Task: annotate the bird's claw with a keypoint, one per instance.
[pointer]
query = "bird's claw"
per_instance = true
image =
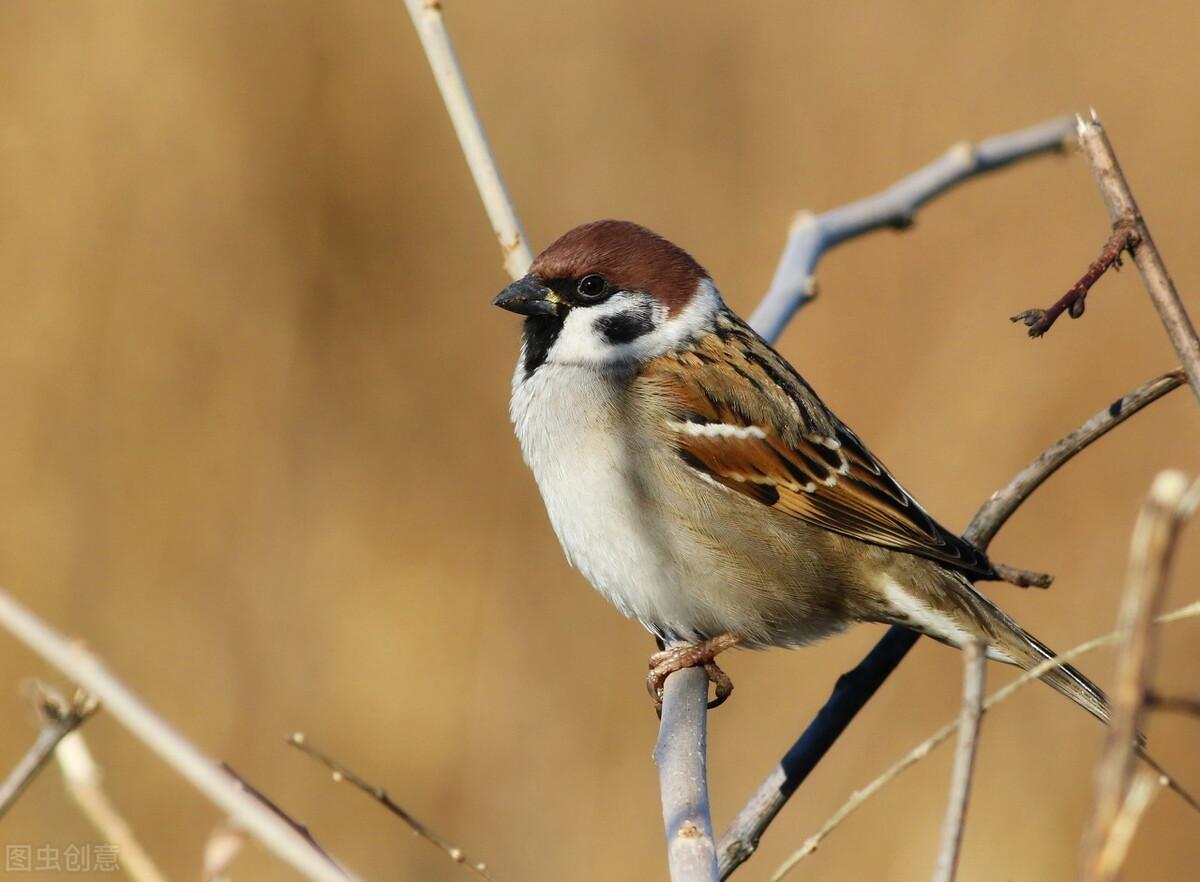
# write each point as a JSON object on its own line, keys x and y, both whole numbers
{"x": 696, "y": 655}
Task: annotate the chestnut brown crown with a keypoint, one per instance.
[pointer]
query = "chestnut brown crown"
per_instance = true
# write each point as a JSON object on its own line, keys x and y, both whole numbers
{"x": 628, "y": 256}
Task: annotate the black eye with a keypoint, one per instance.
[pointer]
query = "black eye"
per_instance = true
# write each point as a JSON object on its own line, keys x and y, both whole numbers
{"x": 592, "y": 287}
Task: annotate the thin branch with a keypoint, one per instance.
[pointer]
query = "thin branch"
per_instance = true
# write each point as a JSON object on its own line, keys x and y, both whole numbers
{"x": 994, "y": 513}
{"x": 856, "y": 687}
{"x": 811, "y": 235}
{"x": 974, "y": 671}
{"x": 1022, "y": 578}
{"x": 89, "y": 672}
{"x": 1180, "y": 704}
{"x": 1192, "y": 610}
{"x": 298, "y": 826}
{"x": 1039, "y": 321}
{"x": 683, "y": 777}
{"x": 431, "y": 28}
{"x": 1123, "y": 209}
{"x": 1154, "y": 538}
{"x": 1141, "y": 793}
{"x": 341, "y": 773}
{"x": 81, "y": 776}
{"x": 59, "y": 720}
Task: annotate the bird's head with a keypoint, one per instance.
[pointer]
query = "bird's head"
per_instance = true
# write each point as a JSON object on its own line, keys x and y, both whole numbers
{"x": 609, "y": 293}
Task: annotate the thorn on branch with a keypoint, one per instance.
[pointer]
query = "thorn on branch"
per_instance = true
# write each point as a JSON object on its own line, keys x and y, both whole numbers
{"x": 1124, "y": 237}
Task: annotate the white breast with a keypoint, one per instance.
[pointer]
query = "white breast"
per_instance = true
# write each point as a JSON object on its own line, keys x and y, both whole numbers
{"x": 591, "y": 473}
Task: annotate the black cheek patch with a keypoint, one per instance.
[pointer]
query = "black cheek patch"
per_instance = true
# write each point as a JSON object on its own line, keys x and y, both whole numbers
{"x": 540, "y": 333}
{"x": 625, "y": 327}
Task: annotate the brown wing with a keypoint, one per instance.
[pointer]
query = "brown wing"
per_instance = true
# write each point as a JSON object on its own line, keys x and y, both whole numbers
{"x": 742, "y": 416}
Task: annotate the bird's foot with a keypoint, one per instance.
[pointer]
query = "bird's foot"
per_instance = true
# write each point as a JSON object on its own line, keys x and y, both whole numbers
{"x": 692, "y": 655}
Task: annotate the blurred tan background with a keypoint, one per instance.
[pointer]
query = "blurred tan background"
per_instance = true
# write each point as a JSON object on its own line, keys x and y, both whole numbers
{"x": 255, "y": 447}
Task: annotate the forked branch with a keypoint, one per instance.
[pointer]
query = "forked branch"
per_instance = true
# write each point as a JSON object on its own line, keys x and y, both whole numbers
{"x": 856, "y": 687}
{"x": 1124, "y": 238}
{"x": 811, "y": 235}
{"x": 922, "y": 750}
{"x": 59, "y": 719}
{"x": 89, "y": 672}
{"x": 1170, "y": 503}
{"x": 1121, "y": 206}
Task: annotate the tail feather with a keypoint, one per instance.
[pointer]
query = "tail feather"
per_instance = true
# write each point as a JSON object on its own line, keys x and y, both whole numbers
{"x": 953, "y": 611}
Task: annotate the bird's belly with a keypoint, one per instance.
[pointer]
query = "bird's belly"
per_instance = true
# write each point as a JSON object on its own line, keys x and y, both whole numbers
{"x": 683, "y": 569}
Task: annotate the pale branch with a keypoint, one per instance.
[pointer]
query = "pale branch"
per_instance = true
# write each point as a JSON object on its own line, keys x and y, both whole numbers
{"x": 439, "y": 51}
{"x": 811, "y": 235}
{"x": 855, "y": 688}
{"x": 1155, "y": 535}
{"x": 89, "y": 672}
{"x": 59, "y": 719}
{"x": 1142, "y": 790}
{"x": 81, "y": 777}
{"x": 683, "y": 777}
{"x": 856, "y": 800}
{"x": 221, "y": 849}
{"x": 974, "y": 673}
{"x": 1123, "y": 209}
{"x": 341, "y": 773}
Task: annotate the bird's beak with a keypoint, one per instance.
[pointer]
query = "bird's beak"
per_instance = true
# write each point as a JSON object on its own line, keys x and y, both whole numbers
{"x": 528, "y": 296}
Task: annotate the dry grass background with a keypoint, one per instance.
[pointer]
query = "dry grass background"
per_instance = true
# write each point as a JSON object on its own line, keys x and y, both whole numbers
{"x": 255, "y": 447}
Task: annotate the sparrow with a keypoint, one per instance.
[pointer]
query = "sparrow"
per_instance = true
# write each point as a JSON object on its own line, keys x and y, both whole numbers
{"x": 701, "y": 485}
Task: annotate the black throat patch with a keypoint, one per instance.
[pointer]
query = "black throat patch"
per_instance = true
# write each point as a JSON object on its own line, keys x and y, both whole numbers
{"x": 540, "y": 333}
{"x": 625, "y": 327}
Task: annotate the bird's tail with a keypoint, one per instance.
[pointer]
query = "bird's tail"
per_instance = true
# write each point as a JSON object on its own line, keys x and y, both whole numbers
{"x": 953, "y": 611}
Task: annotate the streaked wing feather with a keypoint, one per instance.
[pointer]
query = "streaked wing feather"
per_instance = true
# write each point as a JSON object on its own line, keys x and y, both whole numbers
{"x": 760, "y": 430}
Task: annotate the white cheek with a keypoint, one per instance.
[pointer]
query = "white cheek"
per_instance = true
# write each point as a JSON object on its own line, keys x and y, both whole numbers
{"x": 581, "y": 343}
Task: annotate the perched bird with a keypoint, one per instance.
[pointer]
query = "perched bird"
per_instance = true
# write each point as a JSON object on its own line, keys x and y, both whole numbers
{"x": 699, "y": 483}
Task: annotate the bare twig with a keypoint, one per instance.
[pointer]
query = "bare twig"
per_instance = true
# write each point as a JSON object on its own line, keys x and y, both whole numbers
{"x": 974, "y": 669}
{"x": 683, "y": 777}
{"x": 431, "y": 28}
{"x": 59, "y": 720}
{"x": 1022, "y": 578}
{"x": 341, "y": 773}
{"x": 1123, "y": 209}
{"x": 1039, "y": 321}
{"x": 298, "y": 826}
{"x": 89, "y": 672}
{"x": 1000, "y": 506}
{"x": 1192, "y": 610}
{"x": 1142, "y": 790}
{"x": 1154, "y": 538}
{"x": 81, "y": 776}
{"x": 811, "y": 235}
{"x": 856, "y": 687}
{"x": 1181, "y": 704}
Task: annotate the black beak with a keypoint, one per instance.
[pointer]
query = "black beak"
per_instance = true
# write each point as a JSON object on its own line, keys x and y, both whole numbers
{"x": 528, "y": 296}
